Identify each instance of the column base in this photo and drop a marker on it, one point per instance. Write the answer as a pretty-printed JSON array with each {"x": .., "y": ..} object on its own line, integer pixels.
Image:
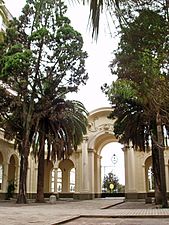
[
  {"x": 134, "y": 196},
  {"x": 83, "y": 196},
  {"x": 98, "y": 195}
]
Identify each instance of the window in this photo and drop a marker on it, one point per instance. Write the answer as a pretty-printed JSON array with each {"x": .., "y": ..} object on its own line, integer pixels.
[
  {"x": 53, "y": 180},
  {"x": 150, "y": 179},
  {"x": 59, "y": 180},
  {"x": 72, "y": 180}
]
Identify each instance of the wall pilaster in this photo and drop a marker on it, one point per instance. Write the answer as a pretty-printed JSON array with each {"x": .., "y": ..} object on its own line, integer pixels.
[
  {"x": 91, "y": 170},
  {"x": 98, "y": 174},
  {"x": 85, "y": 168},
  {"x": 5, "y": 177}
]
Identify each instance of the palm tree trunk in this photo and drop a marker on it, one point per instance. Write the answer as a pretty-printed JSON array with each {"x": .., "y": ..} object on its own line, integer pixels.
[
  {"x": 161, "y": 161},
  {"x": 40, "y": 180}
]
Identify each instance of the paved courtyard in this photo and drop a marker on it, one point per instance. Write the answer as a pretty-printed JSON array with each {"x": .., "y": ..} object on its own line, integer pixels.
[
  {"x": 99, "y": 211},
  {"x": 118, "y": 221}
]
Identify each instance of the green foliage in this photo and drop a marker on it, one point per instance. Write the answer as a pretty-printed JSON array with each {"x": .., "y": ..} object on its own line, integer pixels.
[
  {"x": 62, "y": 127},
  {"x": 48, "y": 48},
  {"x": 142, "y": 84},
  {"x": 112, "y": 179},
  {"x": 123, "y": 88},
  {"x": 142, "y": 59},
  {"x": 41, "y": 60},
  {"x": 125, "y": 11},
  {"x": 11, "y": 190}
]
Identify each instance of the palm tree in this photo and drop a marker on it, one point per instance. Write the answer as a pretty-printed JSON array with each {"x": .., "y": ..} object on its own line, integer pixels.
[
  {"x": 4, "y": 12},
  {"x": 47, "y": 60},
  {"x": 123, "y": 10},
  {"x": 3, "y": 18},
  {"x": 61, "y": 129},
  {"x": 133, "y": 124}
]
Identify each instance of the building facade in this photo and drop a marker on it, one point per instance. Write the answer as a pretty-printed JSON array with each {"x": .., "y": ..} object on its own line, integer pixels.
[{"x": 79, "y": 176}]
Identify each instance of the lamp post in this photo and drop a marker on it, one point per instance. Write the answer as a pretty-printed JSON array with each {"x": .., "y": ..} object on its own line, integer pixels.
[{"x": 114, "y": 159}]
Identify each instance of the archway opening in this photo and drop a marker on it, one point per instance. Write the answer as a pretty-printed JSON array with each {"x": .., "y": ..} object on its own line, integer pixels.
[
  {"x": 67, "y": 177},
  {"x": 112, "y": 168},
  {"x": 11, "y": 170},
  {"x": 149, "y": 175},
  {"x": 72, "y": 180},
  {"x": 59, "y": 180}
]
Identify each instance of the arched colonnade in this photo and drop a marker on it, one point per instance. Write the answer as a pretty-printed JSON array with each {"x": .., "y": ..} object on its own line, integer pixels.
[{"x": 80, "y": 176}]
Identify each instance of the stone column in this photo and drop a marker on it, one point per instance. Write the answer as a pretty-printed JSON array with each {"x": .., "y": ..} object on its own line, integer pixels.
[
  {"x": 166, "y": 171},
  {"x": 65, "y": 180},
  {"x": 125, "y": 150},
  {"x": 5, "y": 177},
  {"x": 55, "y": 179},
  {"x": 29, "y": 179},
  {"x": 78, "y": 171},
  {"x": 98, "y": 174},
  {"x": 32, "y": 175},
  {"x": 85, "y": 174},
  {"x": 144, "y": 178},
  {"x": 167, "y": 176},
  {"x": 17, "y": 177},
  {"x": 92, "y": 173},
  {"x": 130, "y": 182},
  {"x": 131, "y": 167}
]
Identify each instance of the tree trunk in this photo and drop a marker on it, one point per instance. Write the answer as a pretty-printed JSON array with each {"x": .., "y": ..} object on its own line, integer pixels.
[
  {"x": 24, "y": 152},
  {"x": 161, "y": 161},
  {"x": 40, "y": 179},
  {"x": 23, "y": 175},
  {"x": 156, "y": 173}
]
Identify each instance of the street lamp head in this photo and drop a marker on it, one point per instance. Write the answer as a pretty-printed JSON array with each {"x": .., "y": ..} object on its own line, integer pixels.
[{"x": 114, "y": 159}]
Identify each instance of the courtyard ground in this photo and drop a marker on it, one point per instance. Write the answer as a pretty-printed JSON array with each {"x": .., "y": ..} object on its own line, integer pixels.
[{"x": 105, "y": 211}]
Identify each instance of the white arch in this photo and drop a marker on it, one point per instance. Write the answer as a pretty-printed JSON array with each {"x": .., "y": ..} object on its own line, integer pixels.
[{"x": 100, "y": 128}]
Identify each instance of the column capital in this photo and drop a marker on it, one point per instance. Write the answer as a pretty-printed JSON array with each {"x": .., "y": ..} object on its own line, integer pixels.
[
  {"x": 90, "y": 150},
  {"x": 125, "y": 148},
  {"x": 85, "y": 138}
]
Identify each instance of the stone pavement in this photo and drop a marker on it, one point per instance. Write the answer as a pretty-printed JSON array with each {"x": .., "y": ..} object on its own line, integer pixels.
[{"x": 71, "y": 212}]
